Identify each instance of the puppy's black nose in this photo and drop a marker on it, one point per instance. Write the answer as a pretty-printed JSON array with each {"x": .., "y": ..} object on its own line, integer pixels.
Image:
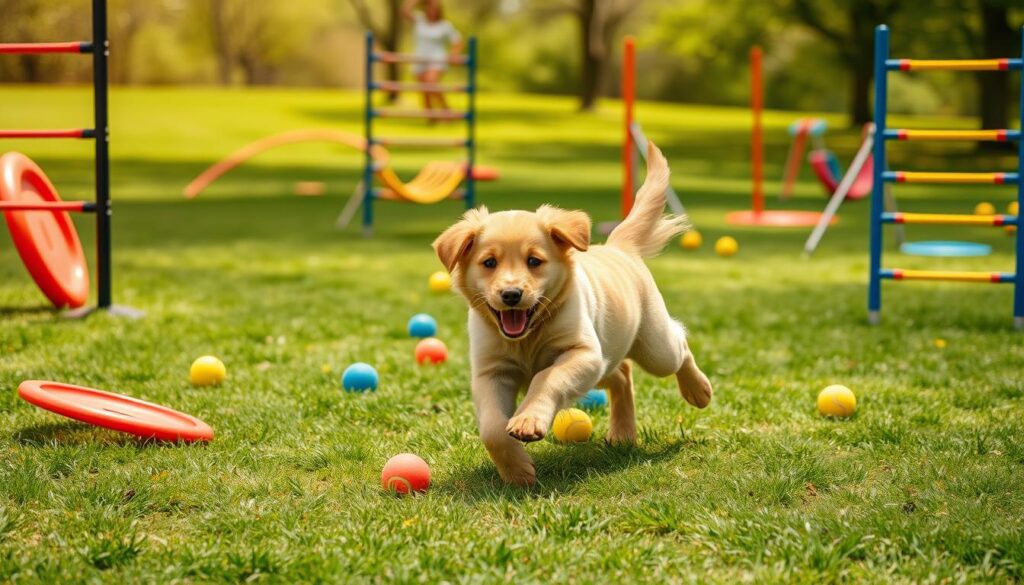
[{"x": 512, "y": 296}]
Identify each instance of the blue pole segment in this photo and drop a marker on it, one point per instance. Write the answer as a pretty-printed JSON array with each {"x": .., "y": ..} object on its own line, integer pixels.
[
  {"x": 470, "y": 191},
  {"x": 878, "y": 187},
  {"x": 1018, "y": 289},
  {"x": 368, "y": 126}
]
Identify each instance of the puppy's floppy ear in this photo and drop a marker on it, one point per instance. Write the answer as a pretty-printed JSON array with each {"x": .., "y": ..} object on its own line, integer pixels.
[
  {"x": 567, "y": 228},
  {"x": 455, "y": 241}
]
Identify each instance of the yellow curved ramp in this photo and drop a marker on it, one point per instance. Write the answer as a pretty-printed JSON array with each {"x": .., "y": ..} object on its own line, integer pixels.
[{"x": 434, "y": 183}]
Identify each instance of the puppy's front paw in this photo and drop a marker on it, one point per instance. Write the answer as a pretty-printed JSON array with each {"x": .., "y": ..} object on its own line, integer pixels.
[{"x": 526, "y": 428}]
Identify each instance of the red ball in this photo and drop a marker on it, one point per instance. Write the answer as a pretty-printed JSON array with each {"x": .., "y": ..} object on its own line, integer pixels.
[
  {"x": 431, "y": 350},
  {"x": 405, "y": 473}
]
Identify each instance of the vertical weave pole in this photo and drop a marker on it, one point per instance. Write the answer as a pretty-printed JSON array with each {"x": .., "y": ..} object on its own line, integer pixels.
[
  {"x": 757, "y": 136},
  {"x": 628, "y": 97}
]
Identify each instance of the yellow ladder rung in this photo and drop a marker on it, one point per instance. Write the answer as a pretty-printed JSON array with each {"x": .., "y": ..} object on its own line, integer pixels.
[
  {"x": 950, "y": 275},
  {"x": 954, "y": 64},
  {"x": 957, "y": 178},
  {"x": 948, "y": 219}
]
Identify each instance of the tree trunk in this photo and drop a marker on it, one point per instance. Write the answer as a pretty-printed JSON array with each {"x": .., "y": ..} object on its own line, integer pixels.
[
  {"x": 391, "y": 42},
  {"x": 221, "y": 46},
  {"x": 860, "y": 94},
  {"x": 591, "y": 62},
  {"x": 998, "y": 40}
]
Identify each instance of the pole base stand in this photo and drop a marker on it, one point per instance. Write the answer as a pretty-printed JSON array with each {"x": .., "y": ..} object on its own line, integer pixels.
[
  {"x": 114, "y": 310},
  {"x": 776, "y": 218},
  {"x": 874, "y": 318}
]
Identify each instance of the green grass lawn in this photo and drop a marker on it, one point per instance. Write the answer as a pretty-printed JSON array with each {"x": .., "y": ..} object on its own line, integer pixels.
[{"x": 923, "y": 484}]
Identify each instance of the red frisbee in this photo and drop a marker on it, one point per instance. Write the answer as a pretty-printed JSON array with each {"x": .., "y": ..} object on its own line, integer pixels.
[
  {"x": 46, "y": 240},
  {"x": 115, "y": 412}
]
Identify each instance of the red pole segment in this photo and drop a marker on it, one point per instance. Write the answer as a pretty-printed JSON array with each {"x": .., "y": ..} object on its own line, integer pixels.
[
  {"x": 628, "y": 96},
  {"x": 38, "y": 48},
  {"x": 46, "y": 206},
  {"x": 757, "y": 139},
  {"x": 72, "y": 133}
]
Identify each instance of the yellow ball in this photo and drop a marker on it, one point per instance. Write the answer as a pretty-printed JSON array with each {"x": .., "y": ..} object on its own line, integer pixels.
[
  {"x": 726, "y": 246},
  {"x": 984, "y": 208},
  {"x": 440, "y": 281},
  {"x": 837, "y": 400},
  {"x": 207, "y": 371},
  {"x": 1012, "y": 208},
  {"x": 691, "y": 240},
  {"x": 572, "y": 426}
]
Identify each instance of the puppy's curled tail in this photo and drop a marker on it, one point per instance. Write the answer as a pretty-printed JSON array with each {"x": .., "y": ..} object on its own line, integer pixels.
[{"x": 646, "y": 229}]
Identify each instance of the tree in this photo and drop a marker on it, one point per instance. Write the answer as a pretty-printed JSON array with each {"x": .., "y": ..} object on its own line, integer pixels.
[
  {"x": 995, "y": 37},
  {"x": 598, "y": 22},
  {"x": 849, "y": 27},
  {"x": 387, "y": 31}
]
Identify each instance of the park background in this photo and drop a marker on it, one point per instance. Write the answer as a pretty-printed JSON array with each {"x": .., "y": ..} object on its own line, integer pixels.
[
  {"x": 690, "y": 51},
  {"x": 921, "y": 485}
]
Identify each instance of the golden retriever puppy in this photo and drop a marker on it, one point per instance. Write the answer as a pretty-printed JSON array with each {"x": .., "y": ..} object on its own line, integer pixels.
[{"x": 553, "y": 315}]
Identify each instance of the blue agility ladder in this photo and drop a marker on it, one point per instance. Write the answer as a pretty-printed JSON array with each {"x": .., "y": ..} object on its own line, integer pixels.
[
  {"x": 883, "y": 65},
  {"x": 370, "y": 193}
]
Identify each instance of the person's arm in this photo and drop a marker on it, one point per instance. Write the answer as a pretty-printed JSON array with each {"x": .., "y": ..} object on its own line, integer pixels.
[
  {"x": 407, "y": 7},
  {"x": 455, "y": 44}
]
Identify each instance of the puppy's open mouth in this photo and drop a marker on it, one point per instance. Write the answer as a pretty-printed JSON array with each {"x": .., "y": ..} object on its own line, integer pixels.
[{"x": 513, "y": 322}]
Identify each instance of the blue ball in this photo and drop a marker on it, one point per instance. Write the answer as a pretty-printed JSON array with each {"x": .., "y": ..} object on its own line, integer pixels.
[
  {"x": 359, "y": 377},
  {"x": 422, "y": 325},
  {"x": 593, "y": 400}
]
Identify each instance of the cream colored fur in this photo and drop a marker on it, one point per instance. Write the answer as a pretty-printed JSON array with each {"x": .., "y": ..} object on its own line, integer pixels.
[{"x": 594, "y": 310}]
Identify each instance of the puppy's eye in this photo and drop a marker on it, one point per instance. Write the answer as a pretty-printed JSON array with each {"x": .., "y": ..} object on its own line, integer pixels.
[
  {"x": 534, "y": 261},
  {"x": 490, "y": 263}
]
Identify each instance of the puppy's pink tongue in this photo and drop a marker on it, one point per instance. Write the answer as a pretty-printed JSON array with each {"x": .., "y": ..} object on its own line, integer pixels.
[{"x": 513, "y": 322}]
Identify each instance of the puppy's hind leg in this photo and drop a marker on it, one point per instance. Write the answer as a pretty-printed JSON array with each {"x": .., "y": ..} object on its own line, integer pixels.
[
  {"x": 622, "y": 421},
  {"x": 661, "y": 349}
]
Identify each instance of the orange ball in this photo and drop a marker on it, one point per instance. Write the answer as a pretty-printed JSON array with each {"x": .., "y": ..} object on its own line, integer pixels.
[
  {"x": 431, "y": 350},
  {"x": 405, "y": 473}
]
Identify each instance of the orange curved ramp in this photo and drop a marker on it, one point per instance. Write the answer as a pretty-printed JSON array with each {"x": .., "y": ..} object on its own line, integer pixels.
[{"x": 207, "y": 177}]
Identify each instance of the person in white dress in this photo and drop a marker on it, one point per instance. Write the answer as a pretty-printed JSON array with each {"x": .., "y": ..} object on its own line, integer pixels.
[{"x": 436, "y": 40}]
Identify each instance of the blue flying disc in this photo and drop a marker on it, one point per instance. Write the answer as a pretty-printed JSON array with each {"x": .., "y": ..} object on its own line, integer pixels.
[{"x": 946, "y": 249}]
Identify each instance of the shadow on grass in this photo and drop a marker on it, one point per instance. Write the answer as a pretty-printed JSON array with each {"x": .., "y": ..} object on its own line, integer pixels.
[
  {"x": 74, "y": 433},
  {"x": 559, "y": 470},
  {"x": 30, "y": 310}
]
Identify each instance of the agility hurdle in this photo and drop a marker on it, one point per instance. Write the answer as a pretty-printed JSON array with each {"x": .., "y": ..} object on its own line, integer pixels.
[
  {"x": 98, "y": 48},
  {"x": 438, "y": 187},
  {"x": 879, "y": 218}
]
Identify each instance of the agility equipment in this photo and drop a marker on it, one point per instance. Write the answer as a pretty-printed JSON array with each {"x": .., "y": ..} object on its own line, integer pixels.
[
  {"x": 215, "y": 171},
  {"x": 115, "y": 411},
  {"x": 439, "y": 180},
  {"x": 37, "y": 218},
  {"x": 634, "y": 142},
  {"x": 856, "y": 184},
  {"x": 758, "y": 215},
  {"x": 879, "y": 217},
  {"x": 800, "y": 131},
  {"x": 47, "y": 242}
]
